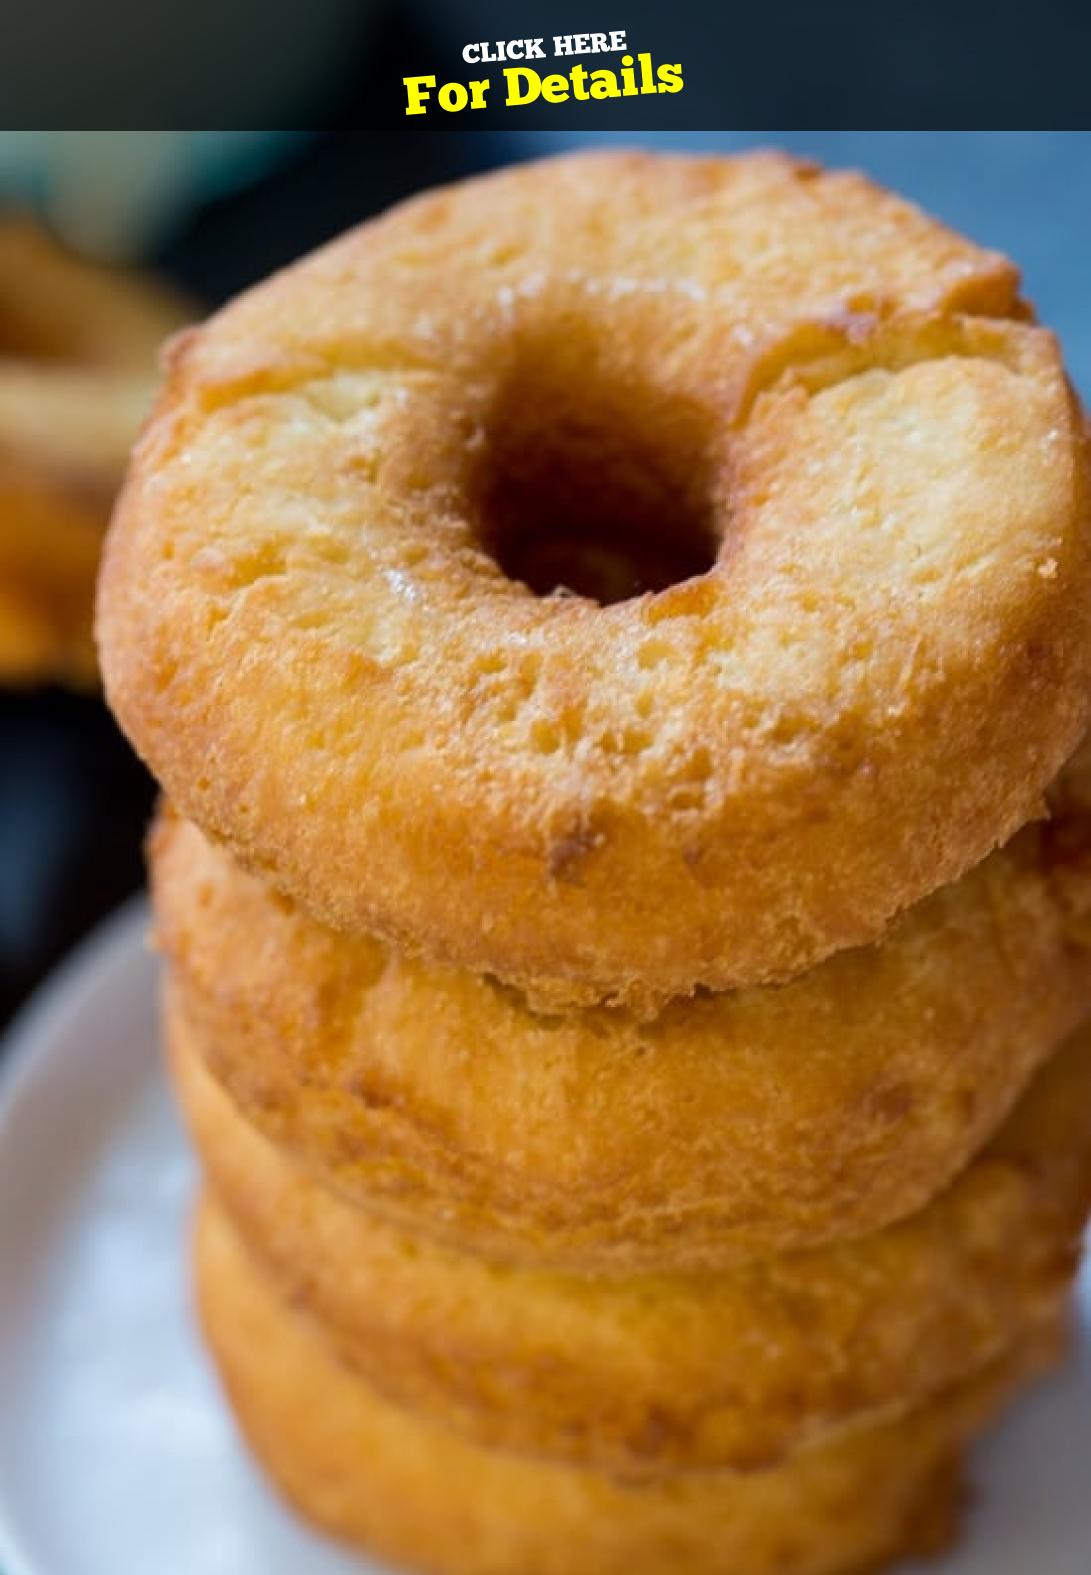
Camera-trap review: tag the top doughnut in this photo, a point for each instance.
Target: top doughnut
(817, 493)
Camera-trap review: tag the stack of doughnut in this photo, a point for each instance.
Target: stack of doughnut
(78, 343)
(615, 639)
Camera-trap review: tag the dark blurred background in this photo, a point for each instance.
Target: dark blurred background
(217, 214)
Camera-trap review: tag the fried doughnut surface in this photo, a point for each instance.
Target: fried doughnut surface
(78, 344)
(650, 1373)
(731, 1126)
(814, 422)
(414, 1493)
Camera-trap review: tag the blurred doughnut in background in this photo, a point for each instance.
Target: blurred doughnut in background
(78, 348)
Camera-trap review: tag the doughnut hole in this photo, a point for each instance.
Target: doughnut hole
(594, 486)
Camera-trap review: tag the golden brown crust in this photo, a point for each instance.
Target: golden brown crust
(654, 1373)
(732, 1126)
(717, 784)
(412, 1492)
(77, 355)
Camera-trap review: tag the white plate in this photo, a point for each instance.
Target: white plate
(116, 1454)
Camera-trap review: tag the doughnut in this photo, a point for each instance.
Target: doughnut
(732, 1126)
(58, 308)
(77, 357)
(618, 575)
(662, 1373)
(414, 1493)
